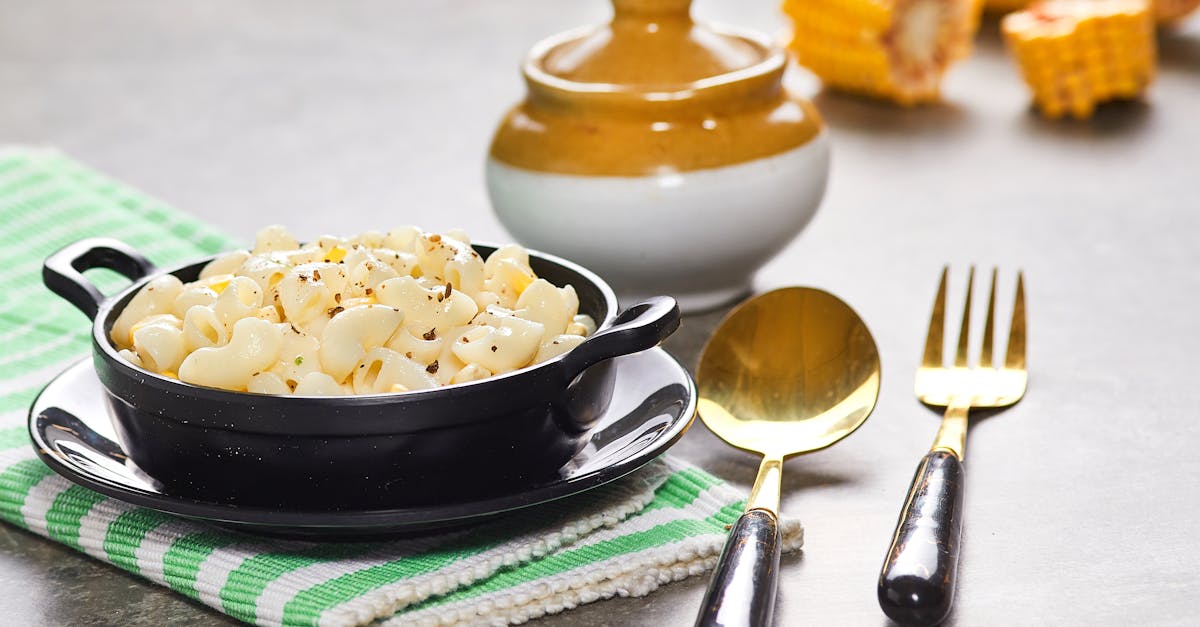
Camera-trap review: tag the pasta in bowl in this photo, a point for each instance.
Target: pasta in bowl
(280, 420)
(374, 313)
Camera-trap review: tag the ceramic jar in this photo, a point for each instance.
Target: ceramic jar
(662, 153)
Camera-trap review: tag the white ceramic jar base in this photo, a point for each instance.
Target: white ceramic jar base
(698, 235)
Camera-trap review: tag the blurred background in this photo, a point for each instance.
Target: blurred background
(363, 114)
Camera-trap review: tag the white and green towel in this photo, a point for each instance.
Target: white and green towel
(664, 523)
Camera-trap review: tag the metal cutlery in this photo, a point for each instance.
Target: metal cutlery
(916, 584)
(788, 372)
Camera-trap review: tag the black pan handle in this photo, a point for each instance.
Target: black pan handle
(63, 271)
(638, 328)
(916, 586)
(742, 590)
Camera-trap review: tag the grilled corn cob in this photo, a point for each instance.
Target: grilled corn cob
(1166, 11)
(1077, 53)
(891, 49)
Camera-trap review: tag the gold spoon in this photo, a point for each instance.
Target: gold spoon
(788, 372)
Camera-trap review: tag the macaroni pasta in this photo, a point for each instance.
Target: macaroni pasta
(375, 313)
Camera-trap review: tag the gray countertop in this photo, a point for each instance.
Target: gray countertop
(353, 115)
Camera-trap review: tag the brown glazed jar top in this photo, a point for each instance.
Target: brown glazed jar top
(650, 45)
(652, 91)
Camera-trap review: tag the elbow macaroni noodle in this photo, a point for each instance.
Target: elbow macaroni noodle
(375, 313)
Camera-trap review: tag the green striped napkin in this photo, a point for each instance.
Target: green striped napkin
(664, 523)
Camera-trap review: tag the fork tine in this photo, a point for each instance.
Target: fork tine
(1015, 354)
(937, 322)
(960, 356)
(985, 354)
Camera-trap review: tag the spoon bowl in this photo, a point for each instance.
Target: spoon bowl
(788, 372)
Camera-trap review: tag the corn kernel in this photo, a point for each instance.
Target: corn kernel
(336, 254)
(891, 49)
(1075, 54)
(219, 282)
(516, 277)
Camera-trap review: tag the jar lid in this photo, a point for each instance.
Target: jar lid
(650, 45)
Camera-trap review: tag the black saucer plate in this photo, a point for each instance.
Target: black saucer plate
(654, 402)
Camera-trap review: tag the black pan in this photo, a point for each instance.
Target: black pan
(354, 451)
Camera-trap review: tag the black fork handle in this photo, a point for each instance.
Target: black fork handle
(916, 586)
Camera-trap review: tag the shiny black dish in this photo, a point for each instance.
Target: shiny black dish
(468, 440)
(653, 403)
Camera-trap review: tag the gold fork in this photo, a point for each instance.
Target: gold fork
(916, 585)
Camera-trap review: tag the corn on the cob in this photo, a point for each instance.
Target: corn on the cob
(1166, 11)
(1077, 53)
(892, 49)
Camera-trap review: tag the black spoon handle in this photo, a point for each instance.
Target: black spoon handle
(742, 590)
(916, 586)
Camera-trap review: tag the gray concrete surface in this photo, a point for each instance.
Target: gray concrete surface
(338, 117)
